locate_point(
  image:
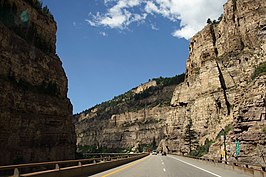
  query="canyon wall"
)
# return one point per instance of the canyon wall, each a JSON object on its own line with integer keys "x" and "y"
{"x": 219, "y": 94}
{"x": 219, "y": 90}
{"x": 129, "y": 121}
{"x": 35, "y": 113}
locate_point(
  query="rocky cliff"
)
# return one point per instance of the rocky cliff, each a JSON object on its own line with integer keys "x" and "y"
{"x": 220, "y": 95}
{"x": 134, "y": 120}
{"x": 35, "y": 113}
{"x": 219, "y": 89}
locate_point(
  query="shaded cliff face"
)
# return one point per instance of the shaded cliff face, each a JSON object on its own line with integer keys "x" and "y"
{"x": 35, "y": 115}
{"x": 219, "y": 89}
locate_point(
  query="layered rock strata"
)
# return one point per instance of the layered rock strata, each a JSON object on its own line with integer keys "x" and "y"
{"x": 218, "y": 92}
{"x": 35, "y": 113}
{"x": 219, "y": 89}
{"x": 126, "y": 126}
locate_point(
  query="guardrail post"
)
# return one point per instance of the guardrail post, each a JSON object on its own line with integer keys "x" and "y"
{"x": 16, "y": 173}
{"x": 79, "y": 164}
{"x": 57, "y": 167}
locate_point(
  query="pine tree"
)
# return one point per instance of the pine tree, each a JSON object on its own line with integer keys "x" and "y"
{"x": 153, "y": 144}
{"x": 209, "y": 21}
{"x": 191, "y": 137}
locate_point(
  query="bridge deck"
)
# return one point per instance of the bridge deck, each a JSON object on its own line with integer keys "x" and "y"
{"x": 169, "y": 166}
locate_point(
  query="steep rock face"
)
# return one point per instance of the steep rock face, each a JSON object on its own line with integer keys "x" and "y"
{"x": 250, "y": 120}
{"x": 218, "y": 87}
{"x": 125, "y": 130}
{"x": 35, "y": 115}
{"x": 128, "y": 121}
{"x": 145, "y": 86}
{"x": 218, "y": 93}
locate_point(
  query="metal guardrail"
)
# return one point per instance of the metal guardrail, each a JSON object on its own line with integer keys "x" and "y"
{"x": 253, "y": 169}
{"x": 236, "y": 163}
{"x": 43, "y": 167}
{"x": 95, "y": 155}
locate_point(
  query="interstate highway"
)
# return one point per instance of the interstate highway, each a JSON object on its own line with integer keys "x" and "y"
{"x": 169, "y": 166}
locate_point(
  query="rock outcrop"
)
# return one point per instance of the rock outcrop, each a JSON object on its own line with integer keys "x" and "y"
{"x": 219, "y": 89}
{"x": 218, "y": 95}
{"x": 35, "y": 115}
{"x": 132, "y": 120}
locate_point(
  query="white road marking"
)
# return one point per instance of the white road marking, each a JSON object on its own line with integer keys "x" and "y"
{"x": 195, "y": 166}
{"x": 162, "y": 163}
{"x": 164, "y": 169}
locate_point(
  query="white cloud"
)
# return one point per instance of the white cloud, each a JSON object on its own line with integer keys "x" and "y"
{"x": 118, "y": 16}
{"x": 103, "y": 33}
{"x": 185, "y": 32}
{"x": 92, "y": 23}
{"x": 154, "y": 27}
{"x": 151, "y": 8}
{"x": 192, "y": 14}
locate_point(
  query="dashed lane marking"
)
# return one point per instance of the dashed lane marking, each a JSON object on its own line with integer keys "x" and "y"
{"x": 195, "y": 166}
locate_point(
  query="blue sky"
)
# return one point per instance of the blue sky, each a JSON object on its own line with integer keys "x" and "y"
{"x": 110, "y": 46}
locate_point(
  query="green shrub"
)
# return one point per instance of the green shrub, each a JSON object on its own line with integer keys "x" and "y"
{"x": 203, "y": 149}
{"x": 215, "y": 22}
{"x": 226, "y": 130}
{"x": 191, "y": 137}
{"x": 36, "y": 4}
{"x": 259, "y": 70}
{"x": 146, "y": 93}
{"x": 264, "y": 129}
{"x": 147, "y": 147}
{"x": 167, "y": 81}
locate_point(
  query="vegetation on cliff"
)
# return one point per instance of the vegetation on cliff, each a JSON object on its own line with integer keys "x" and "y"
{"x": 25, "y": 29}
{"x": 166, "y": 81}
{"x": 215, "y": 22}
{"x": 260, "y": 70}
{"x": 191, "y": 137}
{"x": 40, "y": 8}
{"x": 202, "y": 149}
{"x": 131, "y": 101}
{"x": 264, "y": 129}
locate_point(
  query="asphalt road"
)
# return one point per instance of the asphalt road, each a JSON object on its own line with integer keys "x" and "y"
{"x": 168, "y": 166}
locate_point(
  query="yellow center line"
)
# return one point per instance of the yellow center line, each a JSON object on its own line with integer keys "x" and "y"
{"x": 130, "y": 165}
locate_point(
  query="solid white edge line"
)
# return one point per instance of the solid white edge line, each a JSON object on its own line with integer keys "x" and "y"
{"x": 195, "y": 166}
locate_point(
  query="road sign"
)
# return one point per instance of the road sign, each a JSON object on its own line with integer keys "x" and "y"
{"x": 237, "y": 148}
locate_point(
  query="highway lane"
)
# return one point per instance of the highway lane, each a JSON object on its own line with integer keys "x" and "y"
{"x": 168, "y": 166}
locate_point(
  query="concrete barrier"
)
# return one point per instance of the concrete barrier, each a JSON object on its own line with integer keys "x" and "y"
{"x": 83, "y": 170}
{"x": 253, "y": 170}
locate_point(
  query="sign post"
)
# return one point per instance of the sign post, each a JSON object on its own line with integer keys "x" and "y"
{"x": 237, "y": 148}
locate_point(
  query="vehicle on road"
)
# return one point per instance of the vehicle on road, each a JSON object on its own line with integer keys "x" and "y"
{"x": 154, "y": 152}
{"x": 164, "y": 153}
